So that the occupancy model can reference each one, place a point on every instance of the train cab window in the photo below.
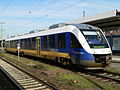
(45, 42)
(52, 41)
(74, 43)
(61, 40)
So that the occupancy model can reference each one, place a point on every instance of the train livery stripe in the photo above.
(57, 54)
(42, 53)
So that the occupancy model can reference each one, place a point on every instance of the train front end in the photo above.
(95, 52)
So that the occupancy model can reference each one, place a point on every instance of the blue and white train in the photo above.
(80, 44)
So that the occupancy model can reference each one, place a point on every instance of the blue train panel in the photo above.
(69, 45)
(81, 54)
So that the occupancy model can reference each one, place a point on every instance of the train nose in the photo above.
(103, 60)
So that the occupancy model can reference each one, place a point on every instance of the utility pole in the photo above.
(83, 14)
(1, 34)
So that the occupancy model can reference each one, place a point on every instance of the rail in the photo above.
(23, 79)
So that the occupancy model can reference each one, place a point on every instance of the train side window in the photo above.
(33, 42)
(61, 40)
(21, 43)
(25, 43)
(16, 43)
(12, 44)
(74, 43)
(52, 41)
(29, 43)
(45, 42)
(6, 44)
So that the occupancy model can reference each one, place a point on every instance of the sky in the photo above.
(22, 16)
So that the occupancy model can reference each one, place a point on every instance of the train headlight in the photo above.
(108, 58)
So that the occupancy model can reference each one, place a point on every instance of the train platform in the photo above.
(115, 58)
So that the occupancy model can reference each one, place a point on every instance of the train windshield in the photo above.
(95, 38)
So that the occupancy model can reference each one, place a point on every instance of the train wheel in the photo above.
(67, 61)
(70, 64)
(57, 60)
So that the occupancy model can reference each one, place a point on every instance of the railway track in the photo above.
(103, 75)
(107, 75)
(24, 80)
(85, 75)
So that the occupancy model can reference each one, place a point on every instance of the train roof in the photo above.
(59, 29)
(85, 26)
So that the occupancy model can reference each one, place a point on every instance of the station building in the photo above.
(109, 22)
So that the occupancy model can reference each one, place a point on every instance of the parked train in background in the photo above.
(114, 40)
(80, 44)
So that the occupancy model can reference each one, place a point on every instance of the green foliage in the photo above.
(74, 80)
(39, 67)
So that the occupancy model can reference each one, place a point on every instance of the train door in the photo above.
(76, 49)
(38, 45)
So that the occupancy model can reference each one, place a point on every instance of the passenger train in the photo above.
(80, 45)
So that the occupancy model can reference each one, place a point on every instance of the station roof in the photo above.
(106, 19)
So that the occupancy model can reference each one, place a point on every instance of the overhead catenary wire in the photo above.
(34, 7)
(28, 12)
(51, 2)
(54, 12)
(2, 11)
